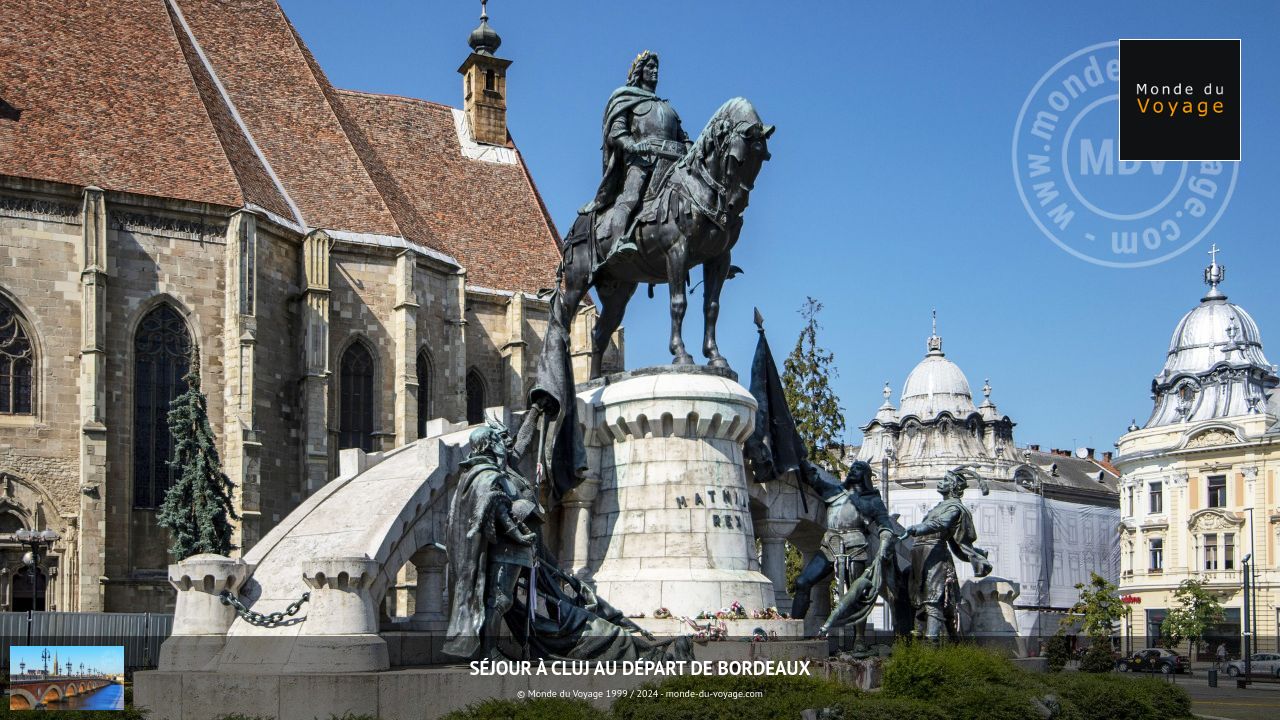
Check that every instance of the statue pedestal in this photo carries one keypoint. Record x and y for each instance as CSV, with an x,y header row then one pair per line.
x,y
671,526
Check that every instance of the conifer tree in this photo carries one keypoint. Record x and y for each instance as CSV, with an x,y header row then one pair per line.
x,y
806,377
197,508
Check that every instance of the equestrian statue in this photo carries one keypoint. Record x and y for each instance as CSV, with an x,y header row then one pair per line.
x,y
664,206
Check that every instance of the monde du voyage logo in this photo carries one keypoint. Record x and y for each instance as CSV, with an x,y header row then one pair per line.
x,y
1123,152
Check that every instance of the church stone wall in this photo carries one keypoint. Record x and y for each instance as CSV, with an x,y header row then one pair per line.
x,y
38,274
361,306
278,378
147,268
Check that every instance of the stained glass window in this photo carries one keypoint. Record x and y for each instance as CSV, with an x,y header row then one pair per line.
x,y
17,364
355,402
161,353
475,397
424,392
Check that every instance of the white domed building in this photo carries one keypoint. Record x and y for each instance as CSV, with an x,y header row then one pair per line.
x,y
1198,491
1051,516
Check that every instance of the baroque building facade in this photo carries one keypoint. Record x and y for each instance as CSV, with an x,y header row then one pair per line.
x,y
179,179
1199,491
1050,518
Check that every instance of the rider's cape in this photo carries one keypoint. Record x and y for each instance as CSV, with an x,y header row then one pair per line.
x,y
622,101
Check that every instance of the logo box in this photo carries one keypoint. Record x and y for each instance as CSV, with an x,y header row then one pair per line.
x,y
1180,100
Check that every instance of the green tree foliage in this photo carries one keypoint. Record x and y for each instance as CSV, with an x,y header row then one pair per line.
x,y
197,508
806,377
1195,610
1098,611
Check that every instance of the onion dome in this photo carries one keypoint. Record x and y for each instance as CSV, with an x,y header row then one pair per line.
x,y
936,385
484,39
1215,366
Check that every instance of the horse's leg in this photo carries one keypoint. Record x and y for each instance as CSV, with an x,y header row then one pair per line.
x,y
614,297
714,272
677,269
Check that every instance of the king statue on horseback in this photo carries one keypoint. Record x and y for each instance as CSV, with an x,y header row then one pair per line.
x,y
642,140
666,206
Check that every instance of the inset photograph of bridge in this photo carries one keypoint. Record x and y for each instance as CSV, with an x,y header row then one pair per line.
x,y
66,677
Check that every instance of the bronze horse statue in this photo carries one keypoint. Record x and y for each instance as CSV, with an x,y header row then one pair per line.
x,y
690,217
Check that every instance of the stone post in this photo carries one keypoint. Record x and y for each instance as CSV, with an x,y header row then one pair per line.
x,y
672,522
315,359
242,450
429,596
200,619
992,615
405,328
93,400
773,558
575,543
340,634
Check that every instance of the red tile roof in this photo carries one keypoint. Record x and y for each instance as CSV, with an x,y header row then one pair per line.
x,y
487,215
220,101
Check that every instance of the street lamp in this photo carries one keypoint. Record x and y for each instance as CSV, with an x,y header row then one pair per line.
x,y
1248,651
37,541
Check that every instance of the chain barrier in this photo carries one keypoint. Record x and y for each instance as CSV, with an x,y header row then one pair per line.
x,y
259,619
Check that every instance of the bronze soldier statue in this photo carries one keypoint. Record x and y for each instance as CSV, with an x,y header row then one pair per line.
x,y
856,519
642,138
491,534
947,529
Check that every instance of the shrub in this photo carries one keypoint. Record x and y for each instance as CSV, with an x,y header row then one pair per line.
x,y
1114,697
964,681
1057,652
1098,658
537,709
882,707
783,698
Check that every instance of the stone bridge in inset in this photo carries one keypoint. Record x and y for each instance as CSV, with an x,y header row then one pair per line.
x,y
27,694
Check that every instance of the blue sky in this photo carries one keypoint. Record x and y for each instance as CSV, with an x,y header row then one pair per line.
x,y
890,191
108,659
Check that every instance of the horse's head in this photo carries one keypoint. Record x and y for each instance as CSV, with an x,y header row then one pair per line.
x,y
732,149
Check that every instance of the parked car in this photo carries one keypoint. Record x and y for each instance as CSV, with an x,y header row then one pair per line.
x,y
1263,664
1158,660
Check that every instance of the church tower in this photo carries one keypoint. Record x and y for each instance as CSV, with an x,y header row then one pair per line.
x,y
484,84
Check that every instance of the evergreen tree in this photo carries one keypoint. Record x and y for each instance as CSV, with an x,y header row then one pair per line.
x,y
197,508
806,377
1195,611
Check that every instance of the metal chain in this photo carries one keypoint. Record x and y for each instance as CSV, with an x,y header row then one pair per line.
x,y
259,619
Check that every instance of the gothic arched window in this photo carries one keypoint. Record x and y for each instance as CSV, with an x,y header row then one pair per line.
x,y
17,364
424,392
161,354
475,397
355,398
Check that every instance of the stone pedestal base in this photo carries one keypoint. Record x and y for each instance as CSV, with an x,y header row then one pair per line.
x,y
671,526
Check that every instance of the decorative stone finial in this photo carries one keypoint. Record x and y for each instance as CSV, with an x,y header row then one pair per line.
x,y
1133,425
935,342
986,388
484,39
1214,275
888,393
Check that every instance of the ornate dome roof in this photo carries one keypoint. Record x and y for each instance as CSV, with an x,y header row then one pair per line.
x,y
484,39
936,385
1215,366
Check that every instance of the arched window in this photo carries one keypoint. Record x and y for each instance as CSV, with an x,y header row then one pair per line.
x,y
475,397
161,353
355,399
424,392
10,523
17,364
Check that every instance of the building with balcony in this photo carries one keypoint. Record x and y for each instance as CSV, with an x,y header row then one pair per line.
x,y
1198,493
